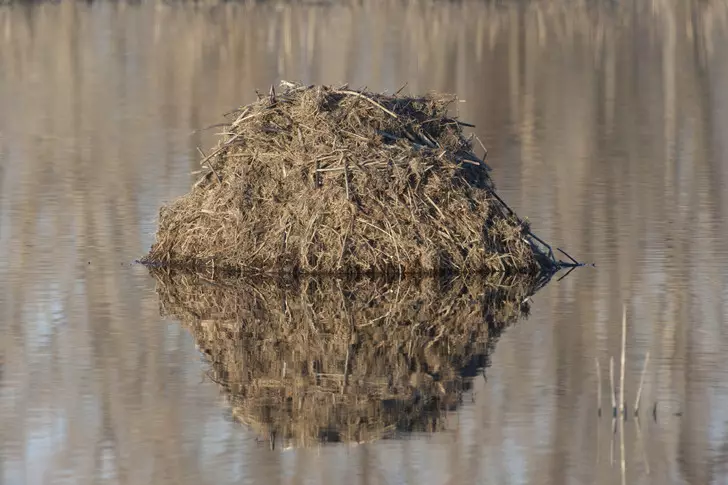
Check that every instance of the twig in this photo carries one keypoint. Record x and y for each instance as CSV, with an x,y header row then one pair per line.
x,y
210,165
242,118
642,381
599,387
346,178
567,273
485,155
201,179
329,169
429,141
241,113
435,206
510,212
367,98
272,93
216,125
551,251
222,147
624,358
568,256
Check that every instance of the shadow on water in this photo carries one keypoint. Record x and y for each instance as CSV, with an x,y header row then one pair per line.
x,y
333,360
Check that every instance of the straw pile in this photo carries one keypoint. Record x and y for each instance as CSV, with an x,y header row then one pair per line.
x,y
322,180
310,361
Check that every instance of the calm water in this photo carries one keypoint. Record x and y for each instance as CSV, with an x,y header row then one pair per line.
x,y
606,126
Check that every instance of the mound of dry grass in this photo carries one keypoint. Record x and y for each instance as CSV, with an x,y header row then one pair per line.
x,y
320,180
349,360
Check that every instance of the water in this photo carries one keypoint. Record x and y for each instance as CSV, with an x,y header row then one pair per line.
x,y
605,125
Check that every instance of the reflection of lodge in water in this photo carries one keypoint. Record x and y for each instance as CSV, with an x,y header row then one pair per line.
x,y
323,360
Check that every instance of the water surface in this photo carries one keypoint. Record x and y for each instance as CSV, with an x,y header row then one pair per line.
x,y
605,125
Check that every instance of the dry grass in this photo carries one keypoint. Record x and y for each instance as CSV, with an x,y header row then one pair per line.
x,y
312,360
319,180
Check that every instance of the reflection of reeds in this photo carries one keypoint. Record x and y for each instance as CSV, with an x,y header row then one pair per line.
x,y
343,360
642,381
623,361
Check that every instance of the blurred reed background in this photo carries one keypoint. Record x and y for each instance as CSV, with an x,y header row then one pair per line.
x,y
605,124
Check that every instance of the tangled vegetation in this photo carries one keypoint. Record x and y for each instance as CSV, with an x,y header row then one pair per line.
x,y
323,180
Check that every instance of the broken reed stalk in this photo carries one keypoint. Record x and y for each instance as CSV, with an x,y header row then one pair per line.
x,y
599,387
642,381
623,360
611,383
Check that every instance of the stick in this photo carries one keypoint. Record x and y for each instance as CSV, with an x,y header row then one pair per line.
x,y
611,382
624,358
550,255
209,164
485,155
642,381
367,98
272,93
599,387
346,182
510,212
221,147
216,125
567,273
329,169
568,255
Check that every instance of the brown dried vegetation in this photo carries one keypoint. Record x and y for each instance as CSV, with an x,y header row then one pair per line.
x,y
320,180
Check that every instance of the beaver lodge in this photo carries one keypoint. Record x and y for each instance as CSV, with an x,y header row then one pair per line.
x,y
324,180
316,360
